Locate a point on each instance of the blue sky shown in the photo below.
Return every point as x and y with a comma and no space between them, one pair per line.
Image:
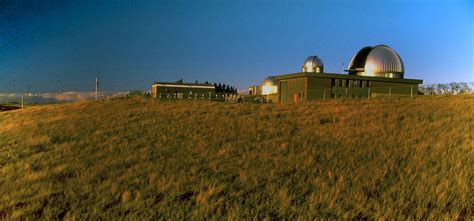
63,45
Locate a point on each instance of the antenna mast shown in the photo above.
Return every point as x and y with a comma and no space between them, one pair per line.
96,87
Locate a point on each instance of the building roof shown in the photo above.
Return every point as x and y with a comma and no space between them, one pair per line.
187,85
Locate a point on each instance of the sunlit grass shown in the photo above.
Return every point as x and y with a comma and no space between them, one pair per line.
378,158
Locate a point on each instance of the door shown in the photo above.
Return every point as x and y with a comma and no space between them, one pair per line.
283,91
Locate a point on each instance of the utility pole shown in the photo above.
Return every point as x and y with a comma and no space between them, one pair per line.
23,97
96,87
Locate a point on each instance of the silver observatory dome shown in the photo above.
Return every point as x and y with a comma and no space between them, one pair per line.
269,86
378,61
313,64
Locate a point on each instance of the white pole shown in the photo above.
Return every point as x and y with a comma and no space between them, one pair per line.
411,92
22,101
96,87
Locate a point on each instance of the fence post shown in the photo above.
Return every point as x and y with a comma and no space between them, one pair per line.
411,92
368,94
346,92
324,94
22,100
389,91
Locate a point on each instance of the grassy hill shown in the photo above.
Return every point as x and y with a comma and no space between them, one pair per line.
361,158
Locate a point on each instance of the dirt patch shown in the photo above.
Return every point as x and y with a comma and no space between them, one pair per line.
8,108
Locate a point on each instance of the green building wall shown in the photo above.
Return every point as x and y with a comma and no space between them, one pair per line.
310,86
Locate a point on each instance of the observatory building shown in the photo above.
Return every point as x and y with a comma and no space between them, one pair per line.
180,89
372,72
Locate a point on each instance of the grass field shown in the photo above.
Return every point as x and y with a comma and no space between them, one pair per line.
395,158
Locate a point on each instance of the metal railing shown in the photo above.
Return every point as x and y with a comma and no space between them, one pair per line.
354,92
297,95
223,97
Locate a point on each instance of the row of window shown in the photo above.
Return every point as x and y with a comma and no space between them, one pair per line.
349,83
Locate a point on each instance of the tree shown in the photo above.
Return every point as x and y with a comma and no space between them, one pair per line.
179,81
207,82
464,88
430,89
443,88
455,87
135,93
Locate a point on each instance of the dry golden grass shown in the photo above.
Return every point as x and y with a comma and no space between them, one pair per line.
381,158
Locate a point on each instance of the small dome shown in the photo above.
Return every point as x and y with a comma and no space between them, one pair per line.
313,64
378,61
269,81
269,86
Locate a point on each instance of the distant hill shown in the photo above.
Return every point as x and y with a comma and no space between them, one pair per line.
56,97
380,158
